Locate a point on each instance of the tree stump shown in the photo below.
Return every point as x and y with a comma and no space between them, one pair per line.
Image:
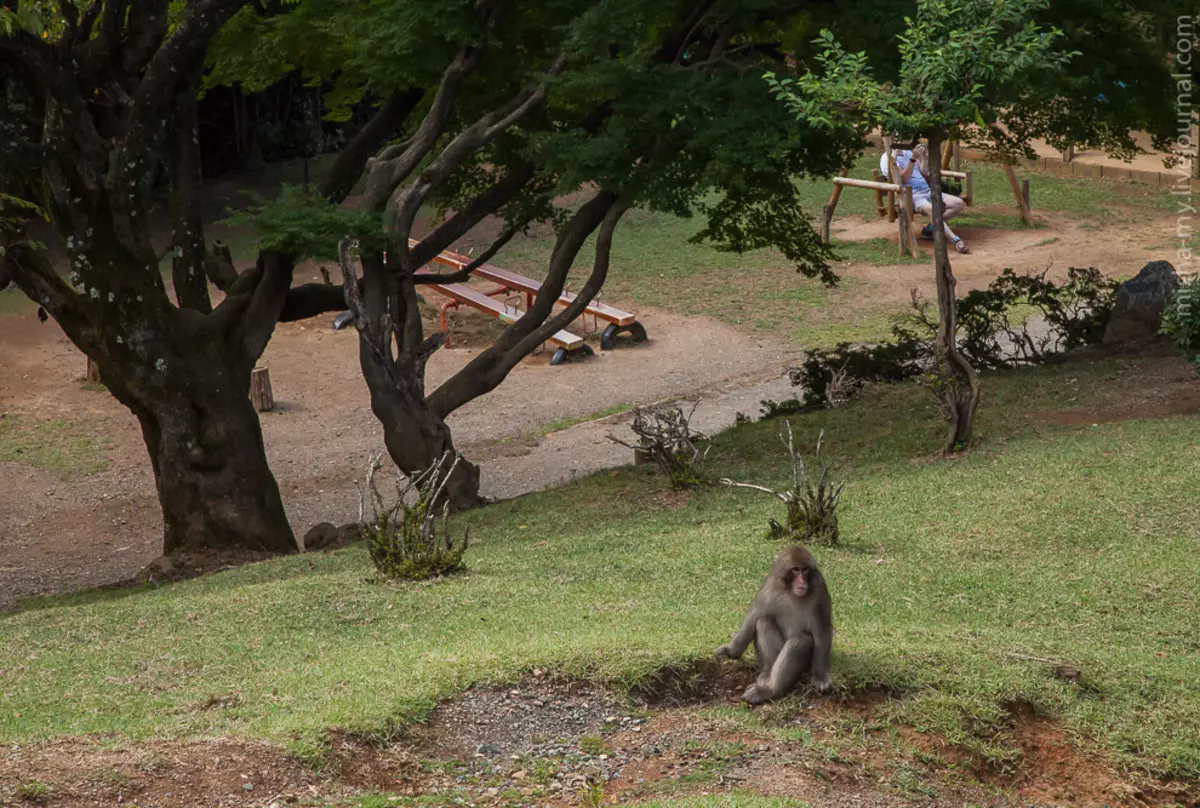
92,374
260,390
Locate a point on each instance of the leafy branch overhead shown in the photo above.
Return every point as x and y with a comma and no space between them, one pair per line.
965,67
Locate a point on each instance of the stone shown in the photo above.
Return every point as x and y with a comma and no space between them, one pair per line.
1138,311
320,536
327,536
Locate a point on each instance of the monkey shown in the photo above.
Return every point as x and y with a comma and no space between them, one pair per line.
790,622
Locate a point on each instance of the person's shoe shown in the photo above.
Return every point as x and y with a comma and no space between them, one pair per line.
962,247
927,232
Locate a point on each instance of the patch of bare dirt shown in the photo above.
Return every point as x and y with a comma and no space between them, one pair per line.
1158,386
547,742
60,534
82,773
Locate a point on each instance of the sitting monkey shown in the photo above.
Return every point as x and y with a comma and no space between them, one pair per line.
790,622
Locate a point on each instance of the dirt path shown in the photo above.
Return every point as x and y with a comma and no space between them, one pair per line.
547,743
59,534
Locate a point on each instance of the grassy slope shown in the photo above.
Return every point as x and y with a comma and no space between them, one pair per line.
1069,543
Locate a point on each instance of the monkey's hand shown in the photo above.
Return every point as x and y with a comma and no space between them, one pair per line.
757,693
821,683
725,652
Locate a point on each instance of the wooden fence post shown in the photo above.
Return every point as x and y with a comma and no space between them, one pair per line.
260,390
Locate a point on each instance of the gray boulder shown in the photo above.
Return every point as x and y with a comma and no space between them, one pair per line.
1138,311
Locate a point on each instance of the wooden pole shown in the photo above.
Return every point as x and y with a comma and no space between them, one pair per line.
948,154
1069,154
1026,213
904,231
957,157
1025,192
910,214
880,207
1196,159
841,182
893,175
969,188
827,220
92,372
260,390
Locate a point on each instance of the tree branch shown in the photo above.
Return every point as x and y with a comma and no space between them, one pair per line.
188,271
466,143
386,175
479,208
464,274
181,54
388,119
488,369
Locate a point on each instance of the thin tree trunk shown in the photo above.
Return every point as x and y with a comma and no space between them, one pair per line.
961,392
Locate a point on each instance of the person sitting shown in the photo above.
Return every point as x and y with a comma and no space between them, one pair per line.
914,170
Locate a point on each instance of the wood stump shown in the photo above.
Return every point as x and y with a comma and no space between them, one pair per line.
92,374
260,390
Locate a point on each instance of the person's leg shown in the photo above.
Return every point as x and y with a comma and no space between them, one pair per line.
953,207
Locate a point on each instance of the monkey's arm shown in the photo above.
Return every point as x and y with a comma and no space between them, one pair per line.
744,636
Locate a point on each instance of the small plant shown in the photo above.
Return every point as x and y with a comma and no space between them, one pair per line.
666,436
411,540
33,791
594,745
811,505
591,795
1181,320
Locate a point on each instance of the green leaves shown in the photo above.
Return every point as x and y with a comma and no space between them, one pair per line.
306,225
962,63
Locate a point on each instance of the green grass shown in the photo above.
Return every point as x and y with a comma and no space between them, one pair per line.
566,423
61,447
1076,544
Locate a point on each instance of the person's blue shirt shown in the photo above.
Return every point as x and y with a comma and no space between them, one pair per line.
916,180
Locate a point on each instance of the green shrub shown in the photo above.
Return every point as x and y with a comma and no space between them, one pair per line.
411,539
1181,320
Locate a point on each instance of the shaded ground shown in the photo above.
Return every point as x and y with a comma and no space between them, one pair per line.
545,742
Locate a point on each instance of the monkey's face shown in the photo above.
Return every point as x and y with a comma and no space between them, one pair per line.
795,566
799,580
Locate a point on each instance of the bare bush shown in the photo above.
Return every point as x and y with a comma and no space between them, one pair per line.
411,539
665,435
811,504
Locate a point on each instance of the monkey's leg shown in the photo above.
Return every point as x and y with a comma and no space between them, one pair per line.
768,642
794,659
822,643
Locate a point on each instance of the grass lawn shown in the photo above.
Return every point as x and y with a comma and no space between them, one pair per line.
59,446
1067,543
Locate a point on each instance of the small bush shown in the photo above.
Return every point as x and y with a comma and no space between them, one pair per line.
811,516
666,436
1181,320
411,539
991,334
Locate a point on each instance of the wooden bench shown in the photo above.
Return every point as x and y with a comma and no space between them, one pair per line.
618,321
566,344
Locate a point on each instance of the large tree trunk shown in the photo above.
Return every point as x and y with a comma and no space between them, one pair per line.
188,383
960,385
415,435
210,467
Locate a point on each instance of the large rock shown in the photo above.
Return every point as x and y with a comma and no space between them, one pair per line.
1138,311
